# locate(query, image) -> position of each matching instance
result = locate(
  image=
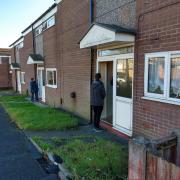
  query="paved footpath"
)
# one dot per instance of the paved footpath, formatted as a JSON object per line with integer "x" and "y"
{"x": 17, "y": 155}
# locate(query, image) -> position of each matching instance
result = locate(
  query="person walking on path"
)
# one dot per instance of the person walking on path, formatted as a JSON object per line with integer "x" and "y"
{"x": 34, "y": 89}
{"x": 98, "y": 95}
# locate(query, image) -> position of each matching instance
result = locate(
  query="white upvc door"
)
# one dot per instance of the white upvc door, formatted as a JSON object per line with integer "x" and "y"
{"x": 19, "y": 81}
{"x": 123, "y": 70}
{"x": 123, "y": 99}
{"x": 41, "y": 83}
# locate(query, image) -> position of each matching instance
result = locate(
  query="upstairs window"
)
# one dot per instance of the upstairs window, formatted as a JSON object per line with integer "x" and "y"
{"x": 49, "y": 23}
{"x": 38, "y": 30}
{"x": 162, "y": 76}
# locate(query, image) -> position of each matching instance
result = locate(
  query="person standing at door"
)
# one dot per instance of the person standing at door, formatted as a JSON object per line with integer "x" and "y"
{"x": 97, "y": 99}
{"x": 34, "y": 90}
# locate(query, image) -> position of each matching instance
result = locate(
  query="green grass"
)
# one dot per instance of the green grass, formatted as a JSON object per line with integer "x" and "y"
{"x": 96, "y": 160}
{"x": 31, "y": 117}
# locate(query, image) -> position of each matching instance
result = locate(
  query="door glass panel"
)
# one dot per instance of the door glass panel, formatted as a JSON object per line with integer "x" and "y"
{"x": 124, "y": 78}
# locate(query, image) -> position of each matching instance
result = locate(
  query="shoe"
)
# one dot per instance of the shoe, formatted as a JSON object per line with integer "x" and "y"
{"x": 98, "y": 129}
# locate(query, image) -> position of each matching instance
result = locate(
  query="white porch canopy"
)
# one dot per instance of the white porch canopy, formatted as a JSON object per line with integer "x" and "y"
{"x": 15, "y": 66}
{"x": 35, "y": 59}
{"x": 100, "y": 34}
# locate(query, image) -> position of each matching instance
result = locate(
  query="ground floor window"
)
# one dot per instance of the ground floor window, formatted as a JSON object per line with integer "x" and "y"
{"x": 162, "y": 75}
{"x": 51, "y": 77}
{"x": 22, "y": 77}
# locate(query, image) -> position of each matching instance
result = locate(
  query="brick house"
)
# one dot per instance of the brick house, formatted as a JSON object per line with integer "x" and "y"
{"x": 130, "y": 43}
{"x": 157, "y": 68}
{"x": 34, "y": 53}
{"x": 5, "y": 73}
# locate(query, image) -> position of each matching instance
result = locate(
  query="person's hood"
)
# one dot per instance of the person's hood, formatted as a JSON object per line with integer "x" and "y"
{"x": 96, "y": 84}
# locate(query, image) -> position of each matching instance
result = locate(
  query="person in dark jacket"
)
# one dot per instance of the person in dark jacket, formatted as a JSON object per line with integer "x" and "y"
{"x": 34, "y": 89}
{"x": 97, "y": 99}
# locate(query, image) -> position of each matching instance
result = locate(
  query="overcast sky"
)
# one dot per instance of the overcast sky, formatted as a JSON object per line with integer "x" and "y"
{"x": 16, "y": 15}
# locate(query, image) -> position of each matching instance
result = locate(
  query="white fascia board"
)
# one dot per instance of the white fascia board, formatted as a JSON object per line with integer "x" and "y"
{"x": 27, "y": 31}
{"x": 58, "y": 1}
{"x": 5, "y": 56}
{"x": 124, "y": 37}
{"x": 31, "y": 61}
{"x": 46, "y": 17}
{"x": 15, "y": 44}
{"x": 12, "y": 68}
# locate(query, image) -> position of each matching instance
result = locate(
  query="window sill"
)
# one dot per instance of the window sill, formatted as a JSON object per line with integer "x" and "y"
{"x": 52, "y": 86}
{"x": 161, "y": 100}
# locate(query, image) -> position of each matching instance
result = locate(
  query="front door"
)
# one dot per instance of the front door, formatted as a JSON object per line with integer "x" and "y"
{"x": 117, "y": 75}
{"x": 41, "y": 83}
{"x": 123, "y": 95}
{"x": 19, "y": 81}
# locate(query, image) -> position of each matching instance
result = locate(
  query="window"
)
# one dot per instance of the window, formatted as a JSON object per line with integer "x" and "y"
{"x": 111, "y": 52}
{"x": 49, "y": 23}
{"x": 38, "y": 30}
{"x": 156, "y": 75}
{"x": 162, "y": 76}
{"x": 175, "y": 78}
{"x": 20, "y": 45}
{"x": 51, "y": 76}
{"x": 22, "y": 77}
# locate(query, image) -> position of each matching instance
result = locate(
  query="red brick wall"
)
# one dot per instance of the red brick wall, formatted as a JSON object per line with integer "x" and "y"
{"x": 159, "y": 30}
{"x": 13, "y": 71}
{"x": 5, "y": 76}
{"x": 51, "y": 61}
{"x": 24, "y": 54}
{"x": 73, "y": 22}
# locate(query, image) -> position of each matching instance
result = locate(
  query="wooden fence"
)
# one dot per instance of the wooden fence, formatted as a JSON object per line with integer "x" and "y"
{"x": 155, "y": 160}
{"x": 159, "y": 169}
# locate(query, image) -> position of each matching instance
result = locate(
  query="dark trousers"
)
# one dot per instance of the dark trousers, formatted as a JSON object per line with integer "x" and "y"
{"x": 34, "y": 94}
{"x": 97, "y": 115}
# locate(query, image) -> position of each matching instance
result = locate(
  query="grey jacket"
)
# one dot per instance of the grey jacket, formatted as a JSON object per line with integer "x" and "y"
{"x": 97, "y": 93}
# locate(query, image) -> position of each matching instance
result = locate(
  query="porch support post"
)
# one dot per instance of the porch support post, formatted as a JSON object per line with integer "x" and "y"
{"x": 137, "y": 159}
{"x": 177, "y": 133}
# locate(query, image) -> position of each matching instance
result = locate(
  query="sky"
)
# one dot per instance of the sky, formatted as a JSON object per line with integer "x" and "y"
{"x": 16, "y": 15}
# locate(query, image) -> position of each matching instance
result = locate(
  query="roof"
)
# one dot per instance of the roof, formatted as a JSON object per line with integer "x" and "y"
{"x": 36, "y": 57}
{"x": 112, "y": 27}
{"x": 5, "y": 52}
{"x": 47, "y": 11}
{"x": 15, "y": 66}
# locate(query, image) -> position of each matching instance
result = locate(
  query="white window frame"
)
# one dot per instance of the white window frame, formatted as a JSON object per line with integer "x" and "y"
{"x": 52, "y": 18}
{"x": 167, "y": 75}
{"x": 23, "y": 79}
{"x": 49, "y": 85}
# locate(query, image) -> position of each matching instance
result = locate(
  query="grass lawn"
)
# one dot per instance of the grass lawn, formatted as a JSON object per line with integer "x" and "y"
{"x": 89, "y": 158}
{"x": 31, "y": 117}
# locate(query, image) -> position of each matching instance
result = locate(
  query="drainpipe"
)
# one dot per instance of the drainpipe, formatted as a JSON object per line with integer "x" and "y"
{"x": 15, "y": 69}
{"x": 34, "y": 51}
{"x": 92, "y": 58}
